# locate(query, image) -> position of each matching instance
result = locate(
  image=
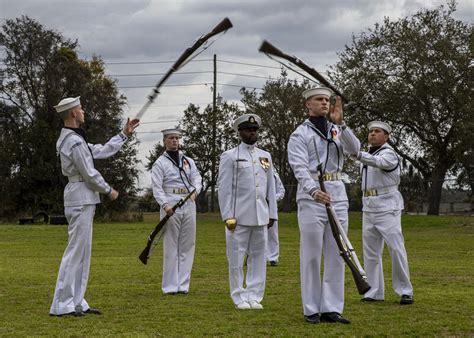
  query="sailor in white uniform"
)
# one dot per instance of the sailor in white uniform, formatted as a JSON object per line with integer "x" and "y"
{"x": 174, "y": 176}
{"x": 382, "y": 208}
{"x": 314, "y": 142}
{"x": 273, "y": 244}
{"x": 81, "y": 195}
{"x": 247, "y": 201}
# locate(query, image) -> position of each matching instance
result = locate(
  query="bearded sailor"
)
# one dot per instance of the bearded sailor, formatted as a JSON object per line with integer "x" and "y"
{"x": 247, "y": 201}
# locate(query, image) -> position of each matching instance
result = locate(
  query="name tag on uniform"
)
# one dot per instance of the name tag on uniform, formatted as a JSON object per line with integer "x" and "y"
{"x": 265, "y": 163}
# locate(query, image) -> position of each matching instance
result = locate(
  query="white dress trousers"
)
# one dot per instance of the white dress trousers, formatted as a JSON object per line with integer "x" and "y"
{"x": 378, "y": 227}
{"x": 74, "y": 269}
{"x": 246, "y": 241}
{"x": 179, "y": 242}
{"x": 316, "y": 239}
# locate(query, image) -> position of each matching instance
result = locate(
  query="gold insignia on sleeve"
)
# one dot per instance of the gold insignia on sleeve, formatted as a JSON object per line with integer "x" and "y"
{"x": 265, "y": 163}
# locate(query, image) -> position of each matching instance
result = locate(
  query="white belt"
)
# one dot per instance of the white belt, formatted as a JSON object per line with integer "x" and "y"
{"x": 380, "y": 191}
{"x": 179, "y": 191}
{"x": 328, "y": 176}
{"x": 75, "y": 178}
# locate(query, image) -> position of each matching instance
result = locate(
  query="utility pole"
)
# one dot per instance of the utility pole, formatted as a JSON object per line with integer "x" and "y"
{"x": 214, "y": 126}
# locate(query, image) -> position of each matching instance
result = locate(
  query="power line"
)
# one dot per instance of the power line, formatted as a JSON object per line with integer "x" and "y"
{"x": 149, "y": 132}
{"x": 249, "y": 64}
{"x": 160, "y": 121}
{"x": 155, "y": 74}
{"x": 187, "y": 73}
{"x": 246, "y": 75}
{"x": 240, "y": 86}
{"x": 171, "y": 85}
{"x": 199, "y": 60}
{"x": 169, "y": 105}
{"x": 150, "y": 62}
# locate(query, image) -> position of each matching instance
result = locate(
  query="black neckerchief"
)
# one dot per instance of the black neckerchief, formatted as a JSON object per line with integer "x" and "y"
{"x": 321, "y": 123}
{"x": 174, "y": 155}
{"x": 324, "y": 136}
{"x": 373, "y": 149}
{"x": 79, "y": 131}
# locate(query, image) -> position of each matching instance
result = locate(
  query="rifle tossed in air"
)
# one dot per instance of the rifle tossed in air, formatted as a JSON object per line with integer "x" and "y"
{"x": 187, "y": 55}
{"x": 146, "y": 253}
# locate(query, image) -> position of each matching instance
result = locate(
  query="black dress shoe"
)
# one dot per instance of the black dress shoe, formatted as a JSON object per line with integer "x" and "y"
{"x": 334, "y": 317}
{"x": 93, "y": 311}
{"x": 73, "y": 313}
{"x": 273, "y": 263}
{"x": 312, "y": 319}
{"x": 406, "y": 300}
{"x": 368, "y": 299}
{"x": 171, "y": 293}
{"x": 183, "y": 292}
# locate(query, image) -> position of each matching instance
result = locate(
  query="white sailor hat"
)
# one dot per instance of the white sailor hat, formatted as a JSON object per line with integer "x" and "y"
{"x": 381, "y": 125}
{"x": 67, "y": 103}
{"x": 247, "y": 121}
{"x": 317, "y": 91}
{"x": 171, "y": 131}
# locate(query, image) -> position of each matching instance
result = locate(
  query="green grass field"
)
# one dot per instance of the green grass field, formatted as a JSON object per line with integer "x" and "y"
{"x": 440, "y": 254}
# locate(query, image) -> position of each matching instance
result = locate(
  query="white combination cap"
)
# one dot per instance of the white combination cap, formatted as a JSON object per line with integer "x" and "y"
{"x": 171, "y": 131}
{"x": 317, "y": 91}
{"x": 67, "y": 103}
{"x": 247, "y": 121}
{"x": 381, "y": 125}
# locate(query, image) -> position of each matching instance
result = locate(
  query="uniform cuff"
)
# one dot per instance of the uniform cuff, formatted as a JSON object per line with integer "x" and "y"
{"x": 343, "y": 125}
{"x": 312, "y": 191}
{"x": 123, "y": 136}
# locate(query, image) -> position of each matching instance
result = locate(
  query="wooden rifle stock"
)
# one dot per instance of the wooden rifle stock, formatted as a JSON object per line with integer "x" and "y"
{"x": 147, "y": 251}
{"x": 345, "y": 247}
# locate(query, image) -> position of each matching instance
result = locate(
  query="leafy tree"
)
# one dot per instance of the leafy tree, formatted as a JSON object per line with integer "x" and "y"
{"x": 281, "y": 106}
{"x": 414, "y": 73}
{"x": 40, "y": 68}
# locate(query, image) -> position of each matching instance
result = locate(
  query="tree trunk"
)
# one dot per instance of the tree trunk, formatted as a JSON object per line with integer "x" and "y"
{"x": 436, "y": 187}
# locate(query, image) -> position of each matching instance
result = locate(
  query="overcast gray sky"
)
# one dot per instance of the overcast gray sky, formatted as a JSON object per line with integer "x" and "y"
{"x": 137, "y": 31}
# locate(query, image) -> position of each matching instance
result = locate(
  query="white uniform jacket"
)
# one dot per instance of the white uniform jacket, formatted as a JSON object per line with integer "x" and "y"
{"x": 167, "y": 179}
{"x": 381, "y": 173}
{"x": 308, "y": 147}
{"x": 246, "y": 186}
{"x": 77, "y": 163}
{"x": 279, "y": 188}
